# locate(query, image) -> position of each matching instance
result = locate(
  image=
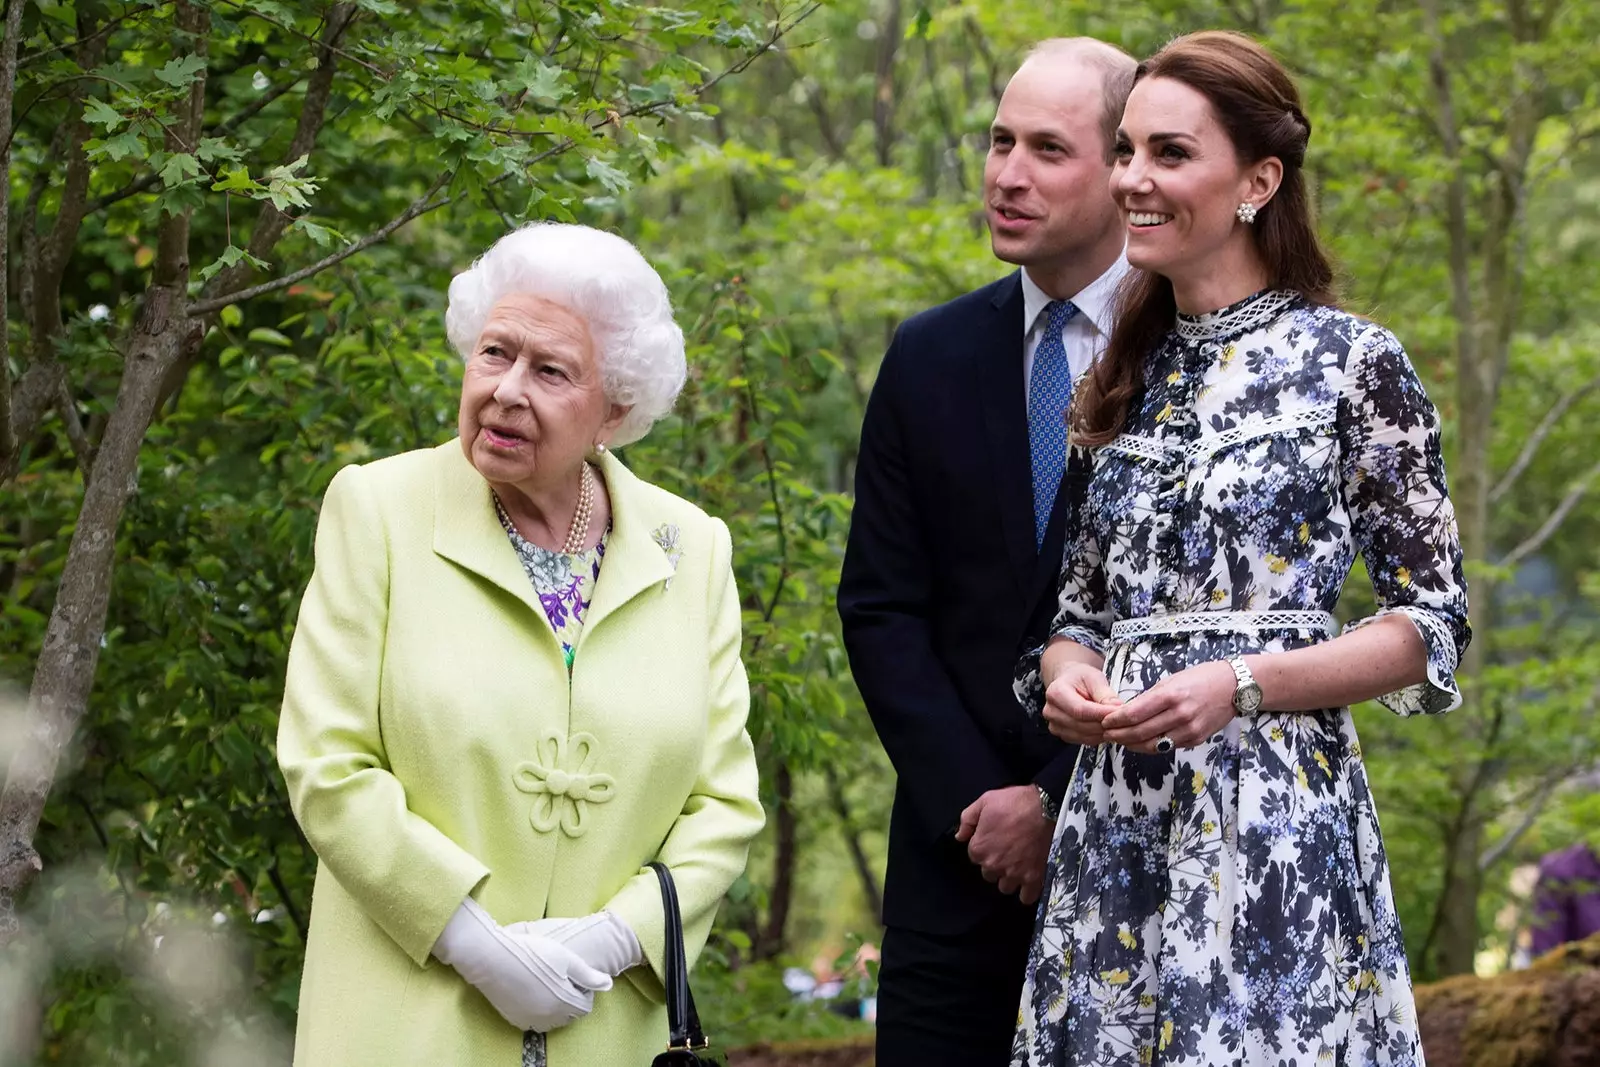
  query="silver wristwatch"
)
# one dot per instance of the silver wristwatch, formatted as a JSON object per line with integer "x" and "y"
{"x": 1246, "y": 693}
{"x": 1049, "y": 808}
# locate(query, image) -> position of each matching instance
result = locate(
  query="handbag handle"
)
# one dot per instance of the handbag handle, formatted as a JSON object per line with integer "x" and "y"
{"x": 683, "y": 1020}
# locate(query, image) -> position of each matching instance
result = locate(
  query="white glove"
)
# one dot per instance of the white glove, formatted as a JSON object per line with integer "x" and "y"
{"x": 601, "y": 940}
{"x": 533, "y": 982}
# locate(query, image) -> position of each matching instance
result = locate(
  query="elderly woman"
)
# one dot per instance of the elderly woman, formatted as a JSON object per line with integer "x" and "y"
{"x": 515, "y": 681}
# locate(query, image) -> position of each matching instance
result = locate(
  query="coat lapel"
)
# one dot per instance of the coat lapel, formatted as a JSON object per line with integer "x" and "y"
{"x": 1005, "y": 418}
{"x": 635, "y": 561}
{"x": 466, "y": 530}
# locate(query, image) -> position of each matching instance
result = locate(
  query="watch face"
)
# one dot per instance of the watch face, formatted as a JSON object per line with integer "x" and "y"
{"x": 1248, "y": 698}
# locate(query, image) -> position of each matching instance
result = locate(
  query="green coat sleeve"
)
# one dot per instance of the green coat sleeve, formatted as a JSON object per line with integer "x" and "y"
{"x": 405, "y": 874}
{"x": 708, "y": 844}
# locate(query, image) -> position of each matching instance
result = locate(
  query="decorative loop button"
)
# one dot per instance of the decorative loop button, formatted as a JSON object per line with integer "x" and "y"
{"x": 562, "y": 783}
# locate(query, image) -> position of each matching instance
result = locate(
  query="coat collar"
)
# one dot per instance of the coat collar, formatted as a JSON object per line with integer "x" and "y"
{"x": 467, "y": 532}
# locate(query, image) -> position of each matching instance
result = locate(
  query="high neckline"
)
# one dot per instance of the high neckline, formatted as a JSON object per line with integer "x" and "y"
{"x": 1253, "y": 312}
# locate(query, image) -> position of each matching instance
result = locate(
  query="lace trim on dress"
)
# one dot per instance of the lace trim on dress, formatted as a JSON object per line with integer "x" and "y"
{"x": 1218, "y": 622}
{"x": 1138, "y": 446}
{"x": 1321, "y": 417}
{"x": 1224, "y": 324}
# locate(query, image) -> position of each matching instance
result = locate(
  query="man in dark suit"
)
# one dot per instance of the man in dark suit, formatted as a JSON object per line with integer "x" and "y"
{"x": 954, "y": 548}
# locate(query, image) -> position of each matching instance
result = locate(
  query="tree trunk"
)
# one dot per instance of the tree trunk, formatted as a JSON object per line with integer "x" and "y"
{"x": 883, "y": 98}
{"x": 772, "y": 940}
{"x": 852, "y": 840}
{"x": 8, "y": 85}
{"x": 64, "y": 673}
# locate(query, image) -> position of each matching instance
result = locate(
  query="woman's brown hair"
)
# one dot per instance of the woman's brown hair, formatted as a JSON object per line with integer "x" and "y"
{"x": 1258, "y": 105}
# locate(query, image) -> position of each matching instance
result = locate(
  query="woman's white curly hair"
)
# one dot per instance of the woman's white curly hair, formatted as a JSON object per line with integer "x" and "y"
{"x": 602, "y": 278}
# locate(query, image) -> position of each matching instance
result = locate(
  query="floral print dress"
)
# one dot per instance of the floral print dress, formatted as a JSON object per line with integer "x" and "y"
{"x": 565, "y": 586}
{"x": 1230, "y": 903}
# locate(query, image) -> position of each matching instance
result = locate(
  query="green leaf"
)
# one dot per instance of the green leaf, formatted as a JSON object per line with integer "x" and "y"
{"x": 215, "y": 149}
{"x": 231, "y": 256}
{"x": 322, "y": 235}
{"x": 116, "y": 149}
{"x": 236, "y": 180}
{"x": 180, "y": 72}
{"x": 285, "y": 189}
{"x": 613, "y": 179}
{"x": 103, "y": 114}
{"x": 232, "y": 317}
{"x": 266, "y": 336}
{"x": 541, "y": 80}
{"x": 178, "y": 169}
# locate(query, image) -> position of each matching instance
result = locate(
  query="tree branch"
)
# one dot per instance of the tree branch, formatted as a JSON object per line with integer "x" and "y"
{"x": 942, "y": 114}
{"x": 817, "y": 101}
{"x": 1553, "y": 523}
{"x": 1582, "y": 763}
{"x": 45, "y": 266}
{"x": 1536, "y": 440}
{"x": 1498, "y": 851}
{"x": 420, "y": 206}
{"x": 321, "y": 44}
{"x": 82, "y": 446}
{"x": 250, "y": 111}
{"x": 425, "y": 204}
{"x": 271, "y": 223}
{"x": 8, "y": 86}
{"x": 111, "y": 24}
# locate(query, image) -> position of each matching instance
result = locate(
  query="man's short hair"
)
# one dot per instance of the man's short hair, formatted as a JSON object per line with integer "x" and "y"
{"x": 1116, "y": 69}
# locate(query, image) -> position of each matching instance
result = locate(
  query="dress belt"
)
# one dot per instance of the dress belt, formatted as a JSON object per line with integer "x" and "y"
{"x": 1200, "y": 622}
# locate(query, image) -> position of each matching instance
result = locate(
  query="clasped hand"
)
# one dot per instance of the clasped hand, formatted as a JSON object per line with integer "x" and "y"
{"x": 1187, "y": 707}
{"x": 535, "y": 980}
{"x": 1008, "y": 837}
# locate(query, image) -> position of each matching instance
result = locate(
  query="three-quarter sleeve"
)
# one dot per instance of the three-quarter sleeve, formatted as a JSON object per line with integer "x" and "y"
{"x": 406, "y": 874}
{"x": 707, "y": 846}
{"x": 1083, "y": 605}
{"x": 1392, "y": 472}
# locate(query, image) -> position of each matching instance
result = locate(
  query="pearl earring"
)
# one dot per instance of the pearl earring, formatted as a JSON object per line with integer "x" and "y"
{"x": 600, "y": 448}
{"x": 1246, "y": 213}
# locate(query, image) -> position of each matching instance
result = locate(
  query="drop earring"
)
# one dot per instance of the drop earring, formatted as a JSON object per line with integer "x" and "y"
{"x": 1246, "y": 213}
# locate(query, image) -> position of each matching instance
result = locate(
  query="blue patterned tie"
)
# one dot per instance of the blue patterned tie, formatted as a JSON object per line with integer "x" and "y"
{"x": 1049, "y": 394}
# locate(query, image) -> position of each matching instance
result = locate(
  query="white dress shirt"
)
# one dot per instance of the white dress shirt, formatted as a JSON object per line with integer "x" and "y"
{"x": 1086, "y": 336}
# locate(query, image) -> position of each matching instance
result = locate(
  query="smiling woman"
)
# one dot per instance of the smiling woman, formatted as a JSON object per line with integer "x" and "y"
{"x": 1217, "y": 894}
{"x": 501, "y": 703}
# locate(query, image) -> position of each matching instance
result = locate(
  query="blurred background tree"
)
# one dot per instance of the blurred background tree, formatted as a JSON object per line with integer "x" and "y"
{"x": 177, "y": 395}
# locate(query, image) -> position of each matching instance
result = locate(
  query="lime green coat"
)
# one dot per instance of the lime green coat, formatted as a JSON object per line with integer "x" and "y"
{"x": 434, "y": 747}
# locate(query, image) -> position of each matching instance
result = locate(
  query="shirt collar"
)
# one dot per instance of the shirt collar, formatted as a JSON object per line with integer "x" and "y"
{"x": 1096, "y": 302}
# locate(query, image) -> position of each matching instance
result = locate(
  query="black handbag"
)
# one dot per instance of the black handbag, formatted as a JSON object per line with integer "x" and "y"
{"x": 687, "y": 1045}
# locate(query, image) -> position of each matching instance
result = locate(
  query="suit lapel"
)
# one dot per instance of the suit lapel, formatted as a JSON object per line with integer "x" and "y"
{"x": 1005, "y": 418}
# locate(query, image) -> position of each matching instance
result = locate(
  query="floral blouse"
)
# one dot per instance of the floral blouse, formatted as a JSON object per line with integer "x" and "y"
{"x": 564, "y": 584}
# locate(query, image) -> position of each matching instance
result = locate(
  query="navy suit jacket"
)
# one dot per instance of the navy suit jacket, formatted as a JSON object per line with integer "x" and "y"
{"x": 943, "y": 588}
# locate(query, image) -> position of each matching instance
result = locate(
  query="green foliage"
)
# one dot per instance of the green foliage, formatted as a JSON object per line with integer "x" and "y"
{"x": 799, "y": 211}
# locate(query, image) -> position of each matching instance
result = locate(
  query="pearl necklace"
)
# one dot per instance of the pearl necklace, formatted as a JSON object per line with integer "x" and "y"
{"x": 578, "y": 533}
{"x": 582, "y": 518}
